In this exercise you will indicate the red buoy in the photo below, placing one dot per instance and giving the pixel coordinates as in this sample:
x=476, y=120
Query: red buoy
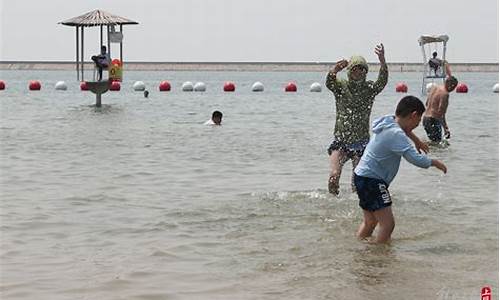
x=35, y=85
x=462, y=88
x=164, y=86
x=84, y=86
x=2, y=85
x=291, y=87
x=115, y=86
x=401, y=87
x=229, y=87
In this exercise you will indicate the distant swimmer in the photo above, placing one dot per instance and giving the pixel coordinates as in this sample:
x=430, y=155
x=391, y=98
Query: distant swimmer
x=435, y=113
x=216, y=118
x=380, y=164
x=353, y=101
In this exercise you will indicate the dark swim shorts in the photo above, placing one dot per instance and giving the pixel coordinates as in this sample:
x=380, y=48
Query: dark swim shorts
x=433, y=129
x=352, y=150
x=372, y=193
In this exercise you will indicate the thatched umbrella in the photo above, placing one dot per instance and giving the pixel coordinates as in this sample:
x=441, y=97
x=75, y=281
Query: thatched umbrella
x=97, y=18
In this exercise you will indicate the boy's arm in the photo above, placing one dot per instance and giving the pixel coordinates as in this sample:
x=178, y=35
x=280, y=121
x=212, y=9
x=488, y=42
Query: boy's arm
x=421, y=146
x=400, y=145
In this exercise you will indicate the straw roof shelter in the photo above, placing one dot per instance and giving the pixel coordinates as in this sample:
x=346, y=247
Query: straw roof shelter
x=102, y=19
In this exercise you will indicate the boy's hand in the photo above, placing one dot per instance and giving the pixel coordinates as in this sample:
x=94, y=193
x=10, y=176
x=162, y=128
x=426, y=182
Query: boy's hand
x=438, y=164
x=379, y=50
x=421, y=146
x=339, y=66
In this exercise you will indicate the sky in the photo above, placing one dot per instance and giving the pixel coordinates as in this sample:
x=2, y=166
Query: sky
x=255, y=31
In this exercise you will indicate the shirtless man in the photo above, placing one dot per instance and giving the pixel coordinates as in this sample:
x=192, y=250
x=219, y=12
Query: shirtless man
x=436, y=106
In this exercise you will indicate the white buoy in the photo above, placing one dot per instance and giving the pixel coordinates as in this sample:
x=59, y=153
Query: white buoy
x=429, y=86
x=61, y=86
x=315, y=87
x=200, y=87
x=187, y=86
x=257, y=87
x=495, y=88
x=139, y=86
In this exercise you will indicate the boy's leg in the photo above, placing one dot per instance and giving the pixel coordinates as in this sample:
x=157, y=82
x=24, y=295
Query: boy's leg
x=366, y=228
x=337, y=161
x=386, y=224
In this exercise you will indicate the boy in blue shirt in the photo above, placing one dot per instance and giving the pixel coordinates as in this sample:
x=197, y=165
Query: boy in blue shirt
x=380, y=163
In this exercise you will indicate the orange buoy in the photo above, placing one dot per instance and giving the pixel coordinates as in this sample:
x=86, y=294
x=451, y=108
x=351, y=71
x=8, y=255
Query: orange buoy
x=2, y=85
x=115, y=86
x=35, y=85
x=229, y=87
x=401, y=87
x=462, y=88
x=164, y=86
x=291, y=87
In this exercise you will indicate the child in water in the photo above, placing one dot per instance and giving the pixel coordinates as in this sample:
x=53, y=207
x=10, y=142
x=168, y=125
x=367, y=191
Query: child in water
x=380, y=163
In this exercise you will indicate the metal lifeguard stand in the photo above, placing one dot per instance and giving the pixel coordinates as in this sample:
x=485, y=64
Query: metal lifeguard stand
x=431, y=44
x=102, y=19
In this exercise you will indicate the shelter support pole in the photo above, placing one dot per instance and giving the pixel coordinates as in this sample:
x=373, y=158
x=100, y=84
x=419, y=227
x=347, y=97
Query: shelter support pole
x=101, y=41
x=121, y=44
x=109, y=45
x=82, y=55
x=77, y=56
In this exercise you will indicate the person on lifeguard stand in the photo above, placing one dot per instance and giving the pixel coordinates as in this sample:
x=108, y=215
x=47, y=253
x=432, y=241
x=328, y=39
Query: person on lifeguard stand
x=102, y=61
x=436, y=63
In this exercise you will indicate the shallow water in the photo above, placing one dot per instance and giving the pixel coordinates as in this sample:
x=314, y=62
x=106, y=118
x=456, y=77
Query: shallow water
x=140, y=200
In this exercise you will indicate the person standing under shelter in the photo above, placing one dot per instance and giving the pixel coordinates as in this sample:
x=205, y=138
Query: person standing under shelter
x=102, y=61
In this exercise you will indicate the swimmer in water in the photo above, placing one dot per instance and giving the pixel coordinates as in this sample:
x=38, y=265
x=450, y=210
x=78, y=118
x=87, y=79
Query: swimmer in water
x=216, y=118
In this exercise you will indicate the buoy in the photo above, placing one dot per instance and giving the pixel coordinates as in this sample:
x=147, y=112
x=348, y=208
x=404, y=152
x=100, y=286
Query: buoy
x=291, y=87
x=429, y=86
x=315, y=87
x=139, y=86
x=200, y=87
x=35, y=85
x=229, y=87
x=495, y=88
x=115, y=86
x=84, y=86
x=164, y=86
x=257, y=87
x=462, y=88
x=61, y=86
x=187, y=86
x=401, y=87
x=2, y=85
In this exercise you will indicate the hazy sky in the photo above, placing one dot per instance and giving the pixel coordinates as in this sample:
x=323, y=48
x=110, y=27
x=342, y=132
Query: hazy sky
x=257, y=30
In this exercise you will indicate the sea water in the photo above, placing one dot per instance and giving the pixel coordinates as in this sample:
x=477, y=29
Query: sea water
x=139, y=200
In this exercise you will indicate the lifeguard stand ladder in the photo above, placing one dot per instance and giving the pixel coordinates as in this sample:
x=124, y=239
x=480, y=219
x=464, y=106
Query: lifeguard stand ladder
x=425, y=42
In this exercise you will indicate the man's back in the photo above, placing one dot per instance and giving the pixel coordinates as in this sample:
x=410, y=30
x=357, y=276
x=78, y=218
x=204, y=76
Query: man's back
x=437, y=102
